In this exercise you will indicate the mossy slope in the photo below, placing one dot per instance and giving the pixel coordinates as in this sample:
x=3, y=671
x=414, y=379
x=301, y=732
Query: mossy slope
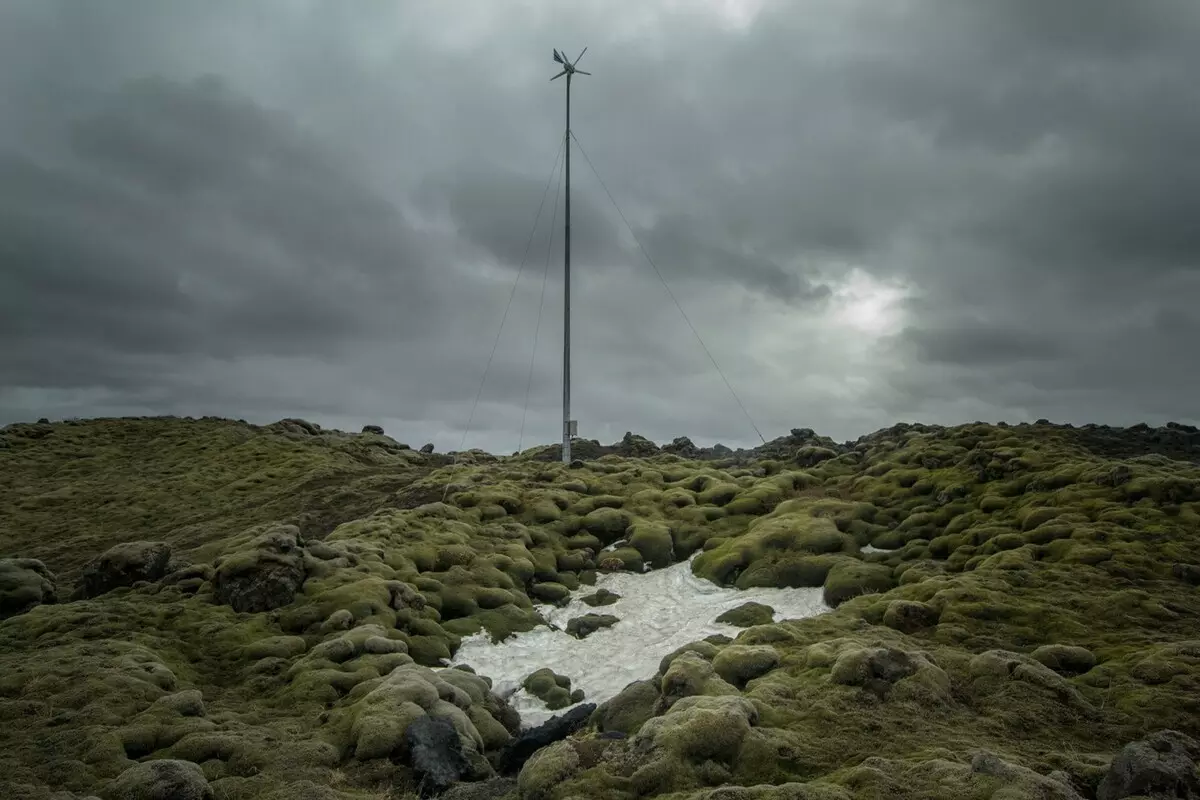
x=1032, y=610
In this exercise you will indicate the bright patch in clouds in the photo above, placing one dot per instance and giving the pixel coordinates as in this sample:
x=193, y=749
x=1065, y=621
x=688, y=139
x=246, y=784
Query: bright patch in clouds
x=869, y=305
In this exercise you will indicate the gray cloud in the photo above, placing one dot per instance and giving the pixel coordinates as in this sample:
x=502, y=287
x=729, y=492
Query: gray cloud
x=931, y=210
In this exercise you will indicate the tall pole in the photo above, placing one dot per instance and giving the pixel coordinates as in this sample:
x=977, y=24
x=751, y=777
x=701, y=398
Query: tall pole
x=566, y=442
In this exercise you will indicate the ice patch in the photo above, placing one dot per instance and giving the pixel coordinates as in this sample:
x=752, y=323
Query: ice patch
x=659, y=611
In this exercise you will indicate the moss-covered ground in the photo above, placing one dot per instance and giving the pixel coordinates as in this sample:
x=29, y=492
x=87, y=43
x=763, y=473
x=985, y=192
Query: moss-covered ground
x=1028, y=605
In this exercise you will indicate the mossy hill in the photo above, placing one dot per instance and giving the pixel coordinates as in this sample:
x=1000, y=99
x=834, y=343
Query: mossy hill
x=231, y=611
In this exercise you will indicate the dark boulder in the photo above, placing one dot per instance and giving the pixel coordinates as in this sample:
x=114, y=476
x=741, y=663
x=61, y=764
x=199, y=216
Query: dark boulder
x=265, y=575
x=520, y=749
x=1163, y=765
x=1188, y=573
x=24, y=583
x=123, y=565
x=162, y=779
x=435, y=753
x=376, y=429
x=585, y=626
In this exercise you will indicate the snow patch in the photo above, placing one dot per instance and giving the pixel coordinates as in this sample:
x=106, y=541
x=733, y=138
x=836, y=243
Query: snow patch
x=660, y=611
x=866, y=548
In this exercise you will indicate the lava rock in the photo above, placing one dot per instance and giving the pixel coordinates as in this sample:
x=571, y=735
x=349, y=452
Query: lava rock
x=427, y=449
x=908, y=616
x=1065, y=659
x=551, y=688
x=628, y=710
x=1163, y=765
x=493, y=789
x=1188, y=573
x=299, y=427
x=163, y=779
x=518, y=751
x=585, y=626
x=376, y=429
x=602, y=597
x=264, y=576
x=748, y=615
x=123, y=565
x=435, y=753
x=24, y=583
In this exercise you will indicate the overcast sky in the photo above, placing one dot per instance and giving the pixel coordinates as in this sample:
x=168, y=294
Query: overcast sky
x=871, y=212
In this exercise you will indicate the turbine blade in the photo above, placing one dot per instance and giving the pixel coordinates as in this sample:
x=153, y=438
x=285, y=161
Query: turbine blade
x=559, y=75
x=581, y=72
x=557, y=57
x=580, y=55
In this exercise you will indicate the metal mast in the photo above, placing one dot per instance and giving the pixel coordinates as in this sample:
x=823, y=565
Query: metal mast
x=568, y=431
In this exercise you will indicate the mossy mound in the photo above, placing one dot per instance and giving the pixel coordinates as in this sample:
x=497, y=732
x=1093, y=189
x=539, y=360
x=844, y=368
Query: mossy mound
x=601, y=597
x=849, y=578
x=265, y=573
x=123, y=564
x=747, y=615
x=552, y=689
x=784, y=548
x=25, y=583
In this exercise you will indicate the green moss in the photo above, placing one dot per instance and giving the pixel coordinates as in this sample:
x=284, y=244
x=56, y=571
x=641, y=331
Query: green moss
x=747, y=615
x=773, y=550
x=551, y=688
x=601, y=597
x=550, y=592
x=738, y=664
x=630, y=559
x=850, y=578
x=653, y=542
x=606, y=524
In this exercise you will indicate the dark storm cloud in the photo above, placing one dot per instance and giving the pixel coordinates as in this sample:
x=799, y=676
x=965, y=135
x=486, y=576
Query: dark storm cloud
x=496, y=210
x=330, y=225
x=982, y=345
x=191, y=221
x=706, y=249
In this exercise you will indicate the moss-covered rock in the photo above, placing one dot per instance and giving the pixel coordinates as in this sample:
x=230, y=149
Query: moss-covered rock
x=123, y=565
x=264, y=573
x=790, y=547
x=689, y=674
x=1161, y=765
x=747, y=615
x=629, y=709
x=738, y=664
x=546, y=770
x=159, y=780
x=601, y=597
x=606, y=524
x=550, y=592
x=653, y=542
x=552, y=689
x=25, y=583
x=850, y=578
x=1065, y=659
x=586, y=625
x=909, y=616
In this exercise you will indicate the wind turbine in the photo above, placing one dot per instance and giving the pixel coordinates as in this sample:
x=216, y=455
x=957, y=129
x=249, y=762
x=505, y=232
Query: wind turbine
x=570, y=427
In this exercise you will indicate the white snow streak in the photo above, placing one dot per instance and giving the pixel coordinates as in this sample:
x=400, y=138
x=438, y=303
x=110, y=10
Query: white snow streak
x=659, y=611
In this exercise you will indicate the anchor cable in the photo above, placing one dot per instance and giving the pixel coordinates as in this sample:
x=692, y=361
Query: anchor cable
x=504, y=318
x=682, y=313
x=541, y=304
